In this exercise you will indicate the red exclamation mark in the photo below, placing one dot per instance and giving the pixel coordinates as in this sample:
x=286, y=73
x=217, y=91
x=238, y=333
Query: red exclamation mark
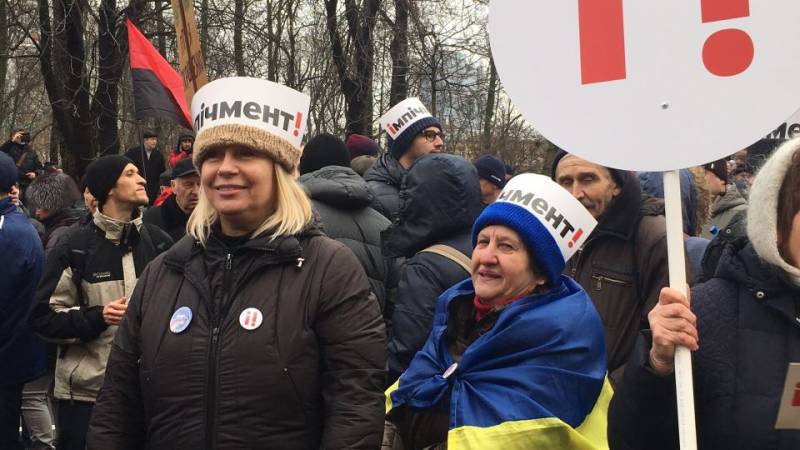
x=602, y=36
x=297, y=121
x=796, y=399
x=575, y=238
x=727, y=52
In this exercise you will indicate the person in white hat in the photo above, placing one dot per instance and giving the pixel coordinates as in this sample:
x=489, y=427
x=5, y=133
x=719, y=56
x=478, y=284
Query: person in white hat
x=260, y=331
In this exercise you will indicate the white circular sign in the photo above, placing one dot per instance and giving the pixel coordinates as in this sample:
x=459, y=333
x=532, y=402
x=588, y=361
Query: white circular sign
x=649, y=85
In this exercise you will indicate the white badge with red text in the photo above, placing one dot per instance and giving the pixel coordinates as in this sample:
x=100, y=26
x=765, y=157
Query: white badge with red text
x=250, y=319
x=789, y=413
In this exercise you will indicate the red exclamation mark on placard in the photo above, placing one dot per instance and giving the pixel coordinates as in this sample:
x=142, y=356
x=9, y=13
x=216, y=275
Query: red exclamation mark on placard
x=298, y=120
x=796, y=399
x=727, y=52
x=602, y=36
x=575, y=238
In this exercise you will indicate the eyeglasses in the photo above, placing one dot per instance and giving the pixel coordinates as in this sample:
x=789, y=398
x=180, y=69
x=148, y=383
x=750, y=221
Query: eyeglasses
x=431, y=135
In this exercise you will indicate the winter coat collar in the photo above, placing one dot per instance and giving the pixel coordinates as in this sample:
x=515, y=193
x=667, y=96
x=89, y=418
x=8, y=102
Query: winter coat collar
x=6, y=207
x=339, y=187
x=386, y=170
x=117, y=231
x=283, y=248
x=623, y=214
x=438, y=199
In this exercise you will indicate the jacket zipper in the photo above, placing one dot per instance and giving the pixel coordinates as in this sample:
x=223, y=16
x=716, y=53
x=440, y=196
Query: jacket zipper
x=599, y=279
x=213, y=360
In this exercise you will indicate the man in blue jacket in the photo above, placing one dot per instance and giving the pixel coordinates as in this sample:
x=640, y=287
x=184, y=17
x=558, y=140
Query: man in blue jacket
x=22, y=353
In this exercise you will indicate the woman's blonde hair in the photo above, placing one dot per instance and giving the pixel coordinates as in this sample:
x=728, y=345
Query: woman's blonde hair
x=292, y=210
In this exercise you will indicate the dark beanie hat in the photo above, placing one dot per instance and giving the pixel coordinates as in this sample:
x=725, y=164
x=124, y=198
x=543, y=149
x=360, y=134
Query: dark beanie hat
x=492, y=170
x=619, y=176
x=148, y=133
x=400, y=145
x=103, y=173
x=360, y=145
x=323, y=150
x=8, y=173
x=718, y=168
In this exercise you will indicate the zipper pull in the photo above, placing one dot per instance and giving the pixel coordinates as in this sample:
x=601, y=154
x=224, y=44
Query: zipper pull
x=300, y=262
x=228, y=262
x=215, y=335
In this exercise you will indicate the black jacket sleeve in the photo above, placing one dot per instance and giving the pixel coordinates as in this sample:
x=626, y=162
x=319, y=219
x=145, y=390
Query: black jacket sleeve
x=118, y=417
x=643, y=411
x=58, y=313
x=415, y=303
x=352, y=342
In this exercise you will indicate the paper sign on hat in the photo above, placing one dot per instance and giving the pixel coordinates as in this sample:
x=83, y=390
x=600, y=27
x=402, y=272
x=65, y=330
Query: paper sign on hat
x=564, y=217
x=402, y=115
x=262, y=104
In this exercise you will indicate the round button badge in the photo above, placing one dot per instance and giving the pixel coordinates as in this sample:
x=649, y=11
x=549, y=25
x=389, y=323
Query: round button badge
x=250, y=319
x=180, y=320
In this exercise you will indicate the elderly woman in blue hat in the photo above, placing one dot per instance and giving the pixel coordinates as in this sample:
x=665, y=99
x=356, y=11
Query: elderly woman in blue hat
x=516, y=357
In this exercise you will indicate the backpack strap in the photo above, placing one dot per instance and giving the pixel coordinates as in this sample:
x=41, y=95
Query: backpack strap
x=452, y=254
x=78, y=252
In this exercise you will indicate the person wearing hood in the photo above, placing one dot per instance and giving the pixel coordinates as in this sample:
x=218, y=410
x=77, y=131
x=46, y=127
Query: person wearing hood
x=411, y=136
x=55, y=200
x=516, y=357
x=441, y=198
x=743, y=326
x=22, y=352
x=258, y=332
x=183, y=149
x=727, y=203
x=623, y=263
x=342, y=200
x=88, y=278
x=173, y=213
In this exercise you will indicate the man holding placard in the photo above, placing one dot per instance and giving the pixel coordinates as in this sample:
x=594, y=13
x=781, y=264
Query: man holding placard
x=413, y=132
x=623, y=264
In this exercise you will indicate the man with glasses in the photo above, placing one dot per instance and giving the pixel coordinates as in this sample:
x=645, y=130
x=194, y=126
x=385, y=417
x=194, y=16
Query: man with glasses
x=413, y=133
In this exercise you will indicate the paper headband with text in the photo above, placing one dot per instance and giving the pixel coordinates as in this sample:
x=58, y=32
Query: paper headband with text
x=262, y=104
x=563, y=215
x=402, y=115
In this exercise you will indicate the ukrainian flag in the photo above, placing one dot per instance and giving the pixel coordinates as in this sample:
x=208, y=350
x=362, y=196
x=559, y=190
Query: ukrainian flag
x=536, y=380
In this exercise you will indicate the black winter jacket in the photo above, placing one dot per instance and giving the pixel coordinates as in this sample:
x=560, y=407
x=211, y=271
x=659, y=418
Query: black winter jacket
x=309, y=376
x=440, y=201
x=169, y=217
x=150, y=171
x=384, y=180
x=748, y=319
x=29, y=163
x=342, y=200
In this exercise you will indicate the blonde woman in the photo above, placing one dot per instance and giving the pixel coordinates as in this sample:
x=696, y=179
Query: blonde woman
x=255, y=331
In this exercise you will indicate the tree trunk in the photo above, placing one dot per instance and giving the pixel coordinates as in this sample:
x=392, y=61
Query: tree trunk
x=238, y=51
x=4, y=48
x=399, y=53
x=204, y=29
x=357, y=88
x=488, y=116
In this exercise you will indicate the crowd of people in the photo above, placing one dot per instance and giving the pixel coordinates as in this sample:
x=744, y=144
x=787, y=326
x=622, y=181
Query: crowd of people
x=244, y=291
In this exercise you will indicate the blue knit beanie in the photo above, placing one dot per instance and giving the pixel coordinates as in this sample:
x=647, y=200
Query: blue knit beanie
x=550, y=221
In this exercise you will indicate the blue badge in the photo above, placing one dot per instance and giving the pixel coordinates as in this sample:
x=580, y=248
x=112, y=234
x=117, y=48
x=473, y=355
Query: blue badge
x=180, y=320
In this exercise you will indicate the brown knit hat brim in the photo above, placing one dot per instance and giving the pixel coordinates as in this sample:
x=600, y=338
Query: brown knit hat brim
x=274, y=147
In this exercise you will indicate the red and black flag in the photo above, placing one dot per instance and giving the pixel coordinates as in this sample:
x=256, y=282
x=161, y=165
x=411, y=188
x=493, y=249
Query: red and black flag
x=157, y=87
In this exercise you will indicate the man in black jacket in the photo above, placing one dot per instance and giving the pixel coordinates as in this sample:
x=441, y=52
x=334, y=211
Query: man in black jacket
x=342, y=200
x=18, y=148
x=409, y=139
x=173, y=214
x=87, y=280
x=442, y=199
x=150, y=162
